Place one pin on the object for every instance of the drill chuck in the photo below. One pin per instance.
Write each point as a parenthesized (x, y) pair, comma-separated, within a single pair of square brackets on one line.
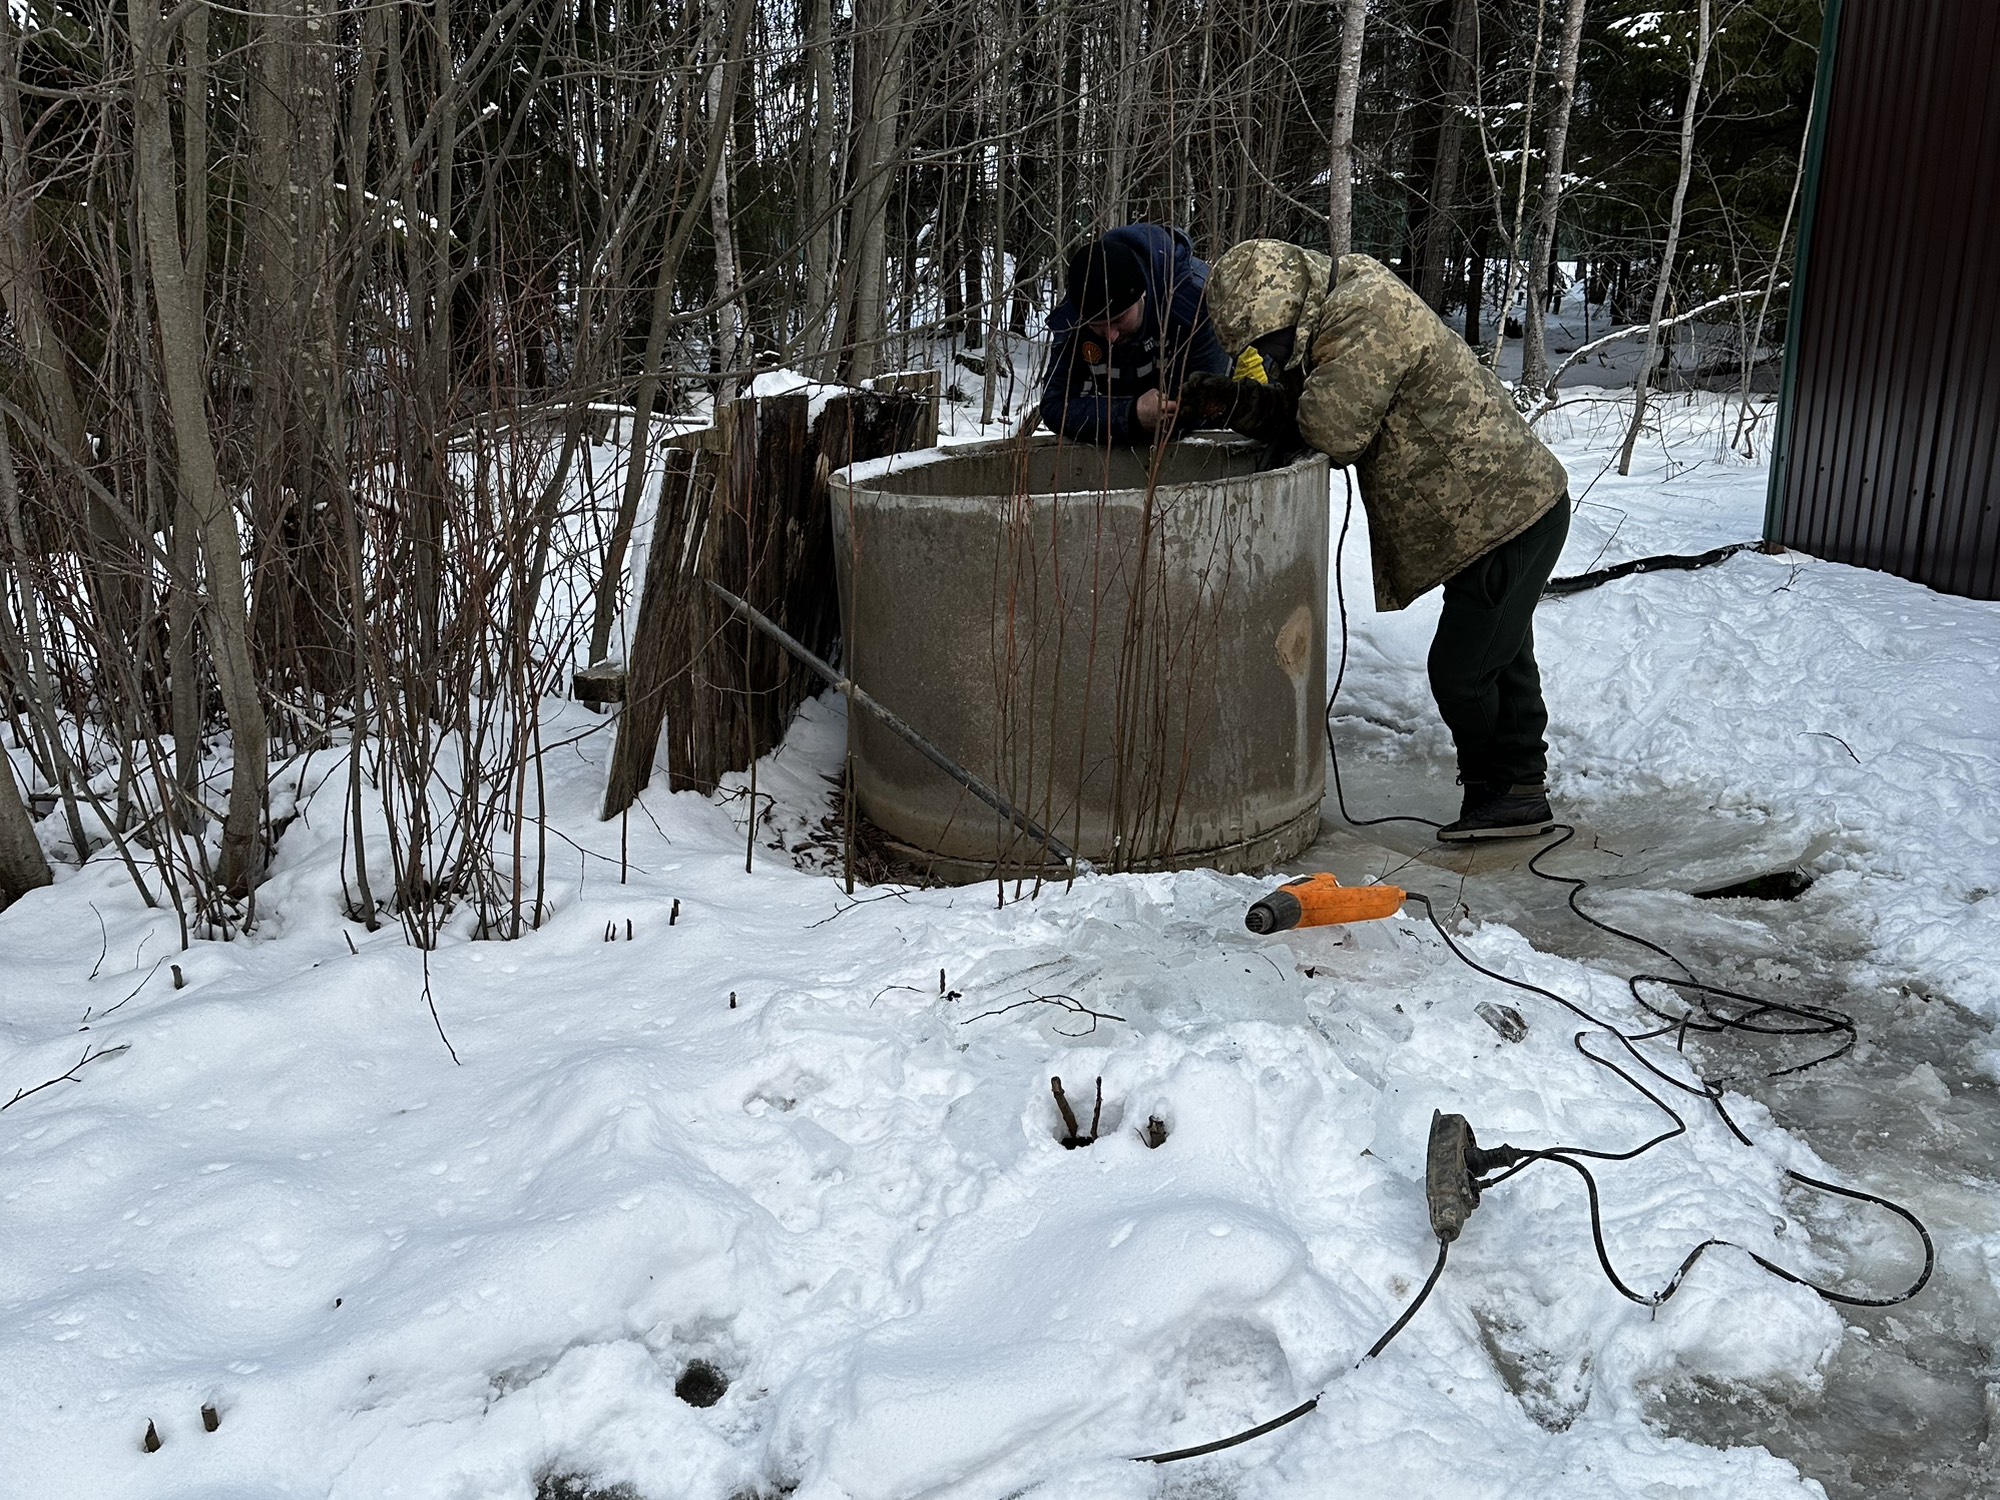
[(1277, 912)]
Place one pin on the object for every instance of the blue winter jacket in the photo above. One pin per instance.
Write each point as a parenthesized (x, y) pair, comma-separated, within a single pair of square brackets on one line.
[(1091, 389)]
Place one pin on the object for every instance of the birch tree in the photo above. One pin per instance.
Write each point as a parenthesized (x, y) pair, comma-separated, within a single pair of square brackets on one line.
[(1555, 146), (996, 311), (731, 320), (1340, 153), (1704, 36), (1740, 440), (1520, 196)]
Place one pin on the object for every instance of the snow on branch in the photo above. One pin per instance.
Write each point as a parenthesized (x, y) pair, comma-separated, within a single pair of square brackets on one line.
[(1585, 351)]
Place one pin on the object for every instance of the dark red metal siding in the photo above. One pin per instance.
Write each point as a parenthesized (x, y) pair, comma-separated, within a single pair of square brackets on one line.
[(1890, 448)]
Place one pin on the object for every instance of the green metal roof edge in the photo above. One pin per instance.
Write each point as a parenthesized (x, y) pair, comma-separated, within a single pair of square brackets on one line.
[(1774, 495)]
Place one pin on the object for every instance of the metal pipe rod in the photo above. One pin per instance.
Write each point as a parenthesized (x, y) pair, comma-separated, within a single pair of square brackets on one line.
[(895, 725)]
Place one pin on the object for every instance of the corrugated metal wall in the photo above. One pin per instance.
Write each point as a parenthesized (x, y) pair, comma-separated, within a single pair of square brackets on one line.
[(1888, 445)]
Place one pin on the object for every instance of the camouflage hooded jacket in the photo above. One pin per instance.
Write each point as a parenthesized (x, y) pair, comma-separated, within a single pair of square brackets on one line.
[(1449, 469)]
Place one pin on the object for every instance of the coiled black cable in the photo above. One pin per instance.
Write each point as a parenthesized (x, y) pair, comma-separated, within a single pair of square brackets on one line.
[(1567, 1155), (1757, 1015), (1701, 1014)]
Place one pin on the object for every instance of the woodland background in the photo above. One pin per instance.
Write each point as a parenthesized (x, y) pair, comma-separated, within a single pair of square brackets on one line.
[(313, 313)]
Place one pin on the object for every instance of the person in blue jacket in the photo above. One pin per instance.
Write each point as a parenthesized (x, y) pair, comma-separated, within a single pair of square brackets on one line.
[(1131, 327)]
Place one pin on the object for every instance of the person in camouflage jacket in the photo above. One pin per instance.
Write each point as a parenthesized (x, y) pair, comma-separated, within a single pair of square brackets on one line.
[(1458, 489)]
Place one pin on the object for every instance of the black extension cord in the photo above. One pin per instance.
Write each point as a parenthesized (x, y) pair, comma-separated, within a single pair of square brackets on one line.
[(1713, 1009), (1239, 1438)]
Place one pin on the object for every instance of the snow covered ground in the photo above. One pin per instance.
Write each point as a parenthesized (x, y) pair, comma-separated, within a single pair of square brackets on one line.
[(810, 1142)]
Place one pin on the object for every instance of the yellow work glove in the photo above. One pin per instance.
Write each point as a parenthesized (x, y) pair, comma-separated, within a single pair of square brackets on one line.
[(1250, 366)]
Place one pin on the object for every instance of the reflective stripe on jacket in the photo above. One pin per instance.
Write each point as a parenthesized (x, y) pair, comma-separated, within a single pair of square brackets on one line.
[(1091, 386)]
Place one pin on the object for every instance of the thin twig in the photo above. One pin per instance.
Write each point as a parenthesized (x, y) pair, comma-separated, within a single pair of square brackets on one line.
[(839, 912), (104, 934), (1067, 1003), (428, 1000), (89, 1056), (135, 990)]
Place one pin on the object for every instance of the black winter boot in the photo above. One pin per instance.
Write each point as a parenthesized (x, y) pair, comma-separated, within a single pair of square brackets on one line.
[(1500, 812), (1474, 794)]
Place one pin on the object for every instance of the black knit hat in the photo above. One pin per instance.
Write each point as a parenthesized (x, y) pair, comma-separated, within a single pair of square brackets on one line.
[(1104, 279)]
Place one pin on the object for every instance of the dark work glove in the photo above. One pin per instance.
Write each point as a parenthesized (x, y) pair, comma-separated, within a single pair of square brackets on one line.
[(1264, 412), (1207, 400)]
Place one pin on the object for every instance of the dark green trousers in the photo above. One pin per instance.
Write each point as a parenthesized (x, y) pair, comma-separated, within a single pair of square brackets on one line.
[(1482, 663)]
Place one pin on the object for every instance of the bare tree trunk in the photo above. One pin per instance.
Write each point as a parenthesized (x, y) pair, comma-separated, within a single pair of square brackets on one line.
[(887, 35), (184, 671), (1770, 286), (194, 140), (1520, 198), (731, 319), (21, 262), (1112, 212), (1340, 152), (277, 203), (23, 289), (821, 174), (1644, 389), (680, 230), (1475, 284), (182, 350), (1534, 343), (996, 316), (1440, 225), (431, 264), (184, 536), (23, 865)]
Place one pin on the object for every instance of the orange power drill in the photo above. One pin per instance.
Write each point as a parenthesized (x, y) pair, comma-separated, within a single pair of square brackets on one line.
[(1321, 901)]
